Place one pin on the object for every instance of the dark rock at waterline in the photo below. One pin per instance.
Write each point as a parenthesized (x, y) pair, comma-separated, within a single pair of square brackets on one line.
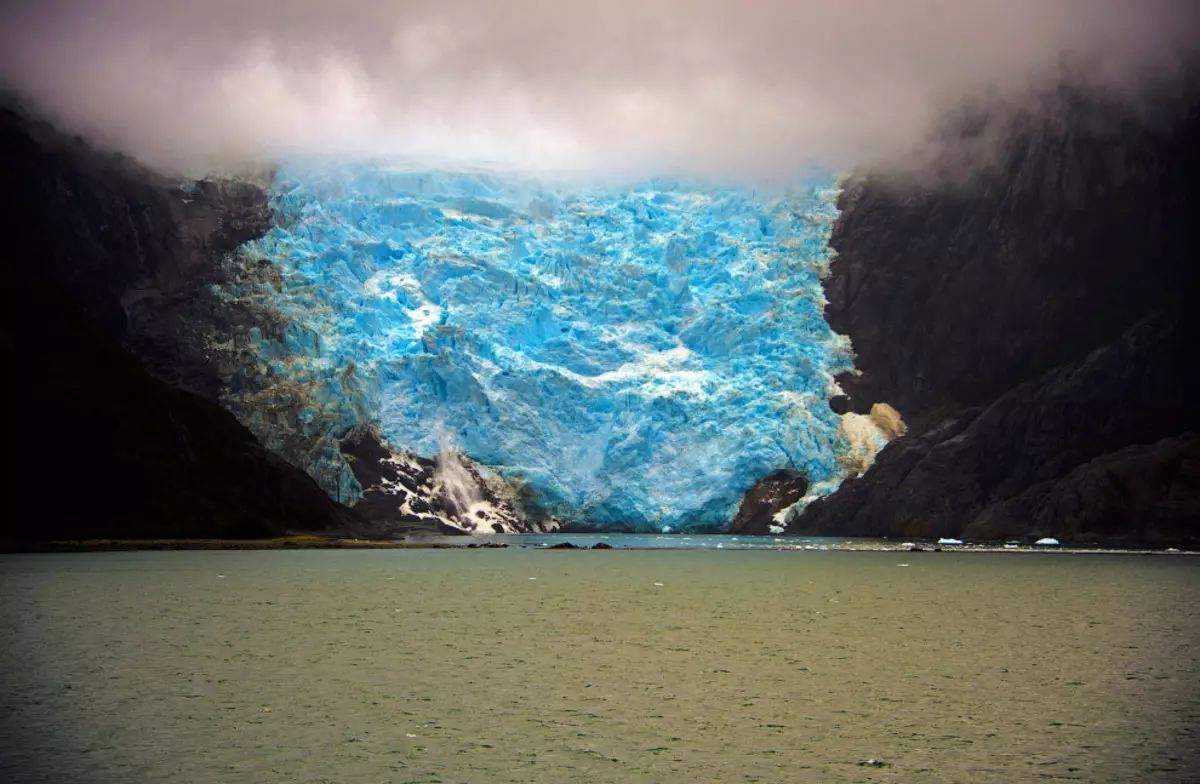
[(401, 496), (1009, 470), (111, 451), (397, 497), (602, 546), (107, 447), (563, 546), (1146, 493), (1027, 303), (768, 497)]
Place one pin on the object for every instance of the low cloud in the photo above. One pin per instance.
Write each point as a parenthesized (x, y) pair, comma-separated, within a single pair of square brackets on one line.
[(708, 86)]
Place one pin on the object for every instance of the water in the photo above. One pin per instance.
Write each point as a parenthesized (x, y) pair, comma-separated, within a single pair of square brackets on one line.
[(523, 665), (672, 541), (683, 541)]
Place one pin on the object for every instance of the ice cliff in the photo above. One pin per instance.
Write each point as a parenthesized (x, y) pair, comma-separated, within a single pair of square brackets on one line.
[(630, 356)]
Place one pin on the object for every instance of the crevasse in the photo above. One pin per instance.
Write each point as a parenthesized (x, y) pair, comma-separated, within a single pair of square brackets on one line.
[(636, 357)]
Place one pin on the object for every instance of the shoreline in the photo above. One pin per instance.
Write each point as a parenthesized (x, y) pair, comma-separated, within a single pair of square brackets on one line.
[(279, 543), (311, 542)]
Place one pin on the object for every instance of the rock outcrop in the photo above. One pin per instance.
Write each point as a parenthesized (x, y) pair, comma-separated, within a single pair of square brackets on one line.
[(1027, 303), (1143, 493), (405, 494), (111, 397), (769, 496)]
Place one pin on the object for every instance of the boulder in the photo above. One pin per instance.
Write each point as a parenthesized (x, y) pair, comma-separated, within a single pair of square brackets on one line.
[(769, 496)]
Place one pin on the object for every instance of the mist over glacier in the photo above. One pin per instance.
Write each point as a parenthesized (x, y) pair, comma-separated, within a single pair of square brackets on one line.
[(635, 356)]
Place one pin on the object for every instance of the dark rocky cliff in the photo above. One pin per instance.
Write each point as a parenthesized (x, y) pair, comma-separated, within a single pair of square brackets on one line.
[(113, 424), (1028, 303)]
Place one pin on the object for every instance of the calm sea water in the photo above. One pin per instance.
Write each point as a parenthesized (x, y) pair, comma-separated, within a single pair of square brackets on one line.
[(671, 541), (523, 665), (726, 542)]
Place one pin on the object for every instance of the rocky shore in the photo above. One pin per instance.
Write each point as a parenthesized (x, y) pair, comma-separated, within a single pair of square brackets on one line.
[(1027, 301)]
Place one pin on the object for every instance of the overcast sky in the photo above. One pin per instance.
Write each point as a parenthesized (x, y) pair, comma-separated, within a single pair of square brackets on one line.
[(731, 86)]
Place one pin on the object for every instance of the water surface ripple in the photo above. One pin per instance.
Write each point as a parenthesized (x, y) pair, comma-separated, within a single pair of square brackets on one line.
[(522, 665)]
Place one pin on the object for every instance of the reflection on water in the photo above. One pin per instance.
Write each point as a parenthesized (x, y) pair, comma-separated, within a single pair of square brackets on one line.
[(523, 665)]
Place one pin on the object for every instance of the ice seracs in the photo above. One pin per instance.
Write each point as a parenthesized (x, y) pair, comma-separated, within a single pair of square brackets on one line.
[(632, 356)]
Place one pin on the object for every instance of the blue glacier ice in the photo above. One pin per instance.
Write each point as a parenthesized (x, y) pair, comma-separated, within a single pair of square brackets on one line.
[(634, 356)]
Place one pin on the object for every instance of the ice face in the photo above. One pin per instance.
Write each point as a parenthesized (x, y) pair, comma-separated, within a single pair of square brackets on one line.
[(636, 356)]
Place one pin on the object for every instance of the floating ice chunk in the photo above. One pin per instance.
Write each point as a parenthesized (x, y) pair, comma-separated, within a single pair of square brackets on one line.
[(1047, 540), (775, 529), (1012, 546), (944, 540), (666, 529)]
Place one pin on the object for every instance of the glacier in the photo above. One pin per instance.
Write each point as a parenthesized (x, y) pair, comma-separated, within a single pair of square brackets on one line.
[(630, 356)]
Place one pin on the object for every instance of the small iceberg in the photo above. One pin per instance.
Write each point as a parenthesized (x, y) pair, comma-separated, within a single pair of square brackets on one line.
[(944, 540), (775, 529), (1047, 541)]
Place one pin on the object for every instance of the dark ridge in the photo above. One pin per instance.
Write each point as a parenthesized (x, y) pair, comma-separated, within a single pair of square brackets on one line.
[(103, 447), (1036, 233), (1028, 303)]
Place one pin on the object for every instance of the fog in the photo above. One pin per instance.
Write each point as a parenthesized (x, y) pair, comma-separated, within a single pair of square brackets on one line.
[(709, 86)]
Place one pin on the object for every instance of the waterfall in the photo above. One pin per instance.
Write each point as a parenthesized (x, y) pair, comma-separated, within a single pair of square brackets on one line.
[(458, 488)]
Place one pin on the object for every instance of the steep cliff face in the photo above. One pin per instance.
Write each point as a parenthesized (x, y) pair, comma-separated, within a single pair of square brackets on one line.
[(104, 278), (1036, 233), (1027, 303)]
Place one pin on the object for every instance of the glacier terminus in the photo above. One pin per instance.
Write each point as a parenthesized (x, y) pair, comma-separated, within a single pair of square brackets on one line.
[(627, 356)]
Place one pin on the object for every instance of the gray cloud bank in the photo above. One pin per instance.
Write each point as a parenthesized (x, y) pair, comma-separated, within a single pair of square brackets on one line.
[(713, 86)]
